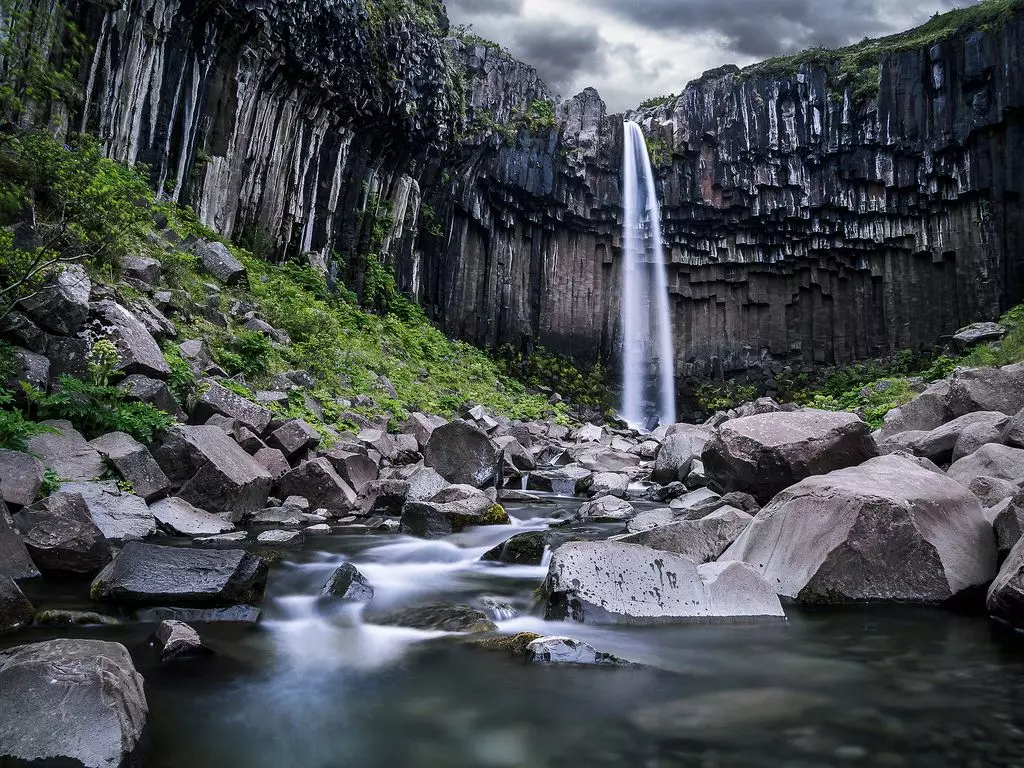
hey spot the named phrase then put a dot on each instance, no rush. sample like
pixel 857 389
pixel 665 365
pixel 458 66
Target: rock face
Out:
pixel 21 477
pixel 766 453
pixel 612 582
pixel 886 530
pixel 120 516
pixel 146 574
pixel 463 454
pixel 71 702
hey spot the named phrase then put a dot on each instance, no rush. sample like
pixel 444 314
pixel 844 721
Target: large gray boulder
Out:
pixel 425 484
pixel 61 536
pixel 147 574
pixel 119 515
pixel 209 470
pixel 888 530
pixel 987 389
pixel 463 454
pixel 15 561
pixel 992 460
pixel 177 640
pixel 1007 518
pixel 939 443
pixel 601 458
pixel 348 584
pixel 21 477
pixel 451 510
pixel 62 305
pixel 221 401
pixel 136 346
pixel 71 703
pixel 321 485
pixel 217 260
pixel 702 541
pixel 67 453
pixel 29 368
pixel 515 454
pixel 928 410
pixel 607 509
pixel 977 333
pixel 609 582
pixel 675 458
pixel 293 437
pixel 177 516
pixel 134 462
pixel 1006 594
pixel 764 454
pixel 356 469
pixel 1013 432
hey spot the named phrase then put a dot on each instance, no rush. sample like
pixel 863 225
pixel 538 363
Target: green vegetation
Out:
pixel 465 33
pixel 856 67
pixel 1009 350
pixel 658 102
pixel 721 397
pixel 535 119
pixel 659 152
pixel 544 370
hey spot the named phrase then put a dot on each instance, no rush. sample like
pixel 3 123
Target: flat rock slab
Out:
pixel 67 453
pixel 179 517
pixel 609 582
pixel 71 702
pixel 148 574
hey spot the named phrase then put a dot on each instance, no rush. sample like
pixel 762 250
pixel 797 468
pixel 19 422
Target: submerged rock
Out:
pixel 521 549
pixel 347 583
pixel 441 617
pixel 565 650
pixel 177 640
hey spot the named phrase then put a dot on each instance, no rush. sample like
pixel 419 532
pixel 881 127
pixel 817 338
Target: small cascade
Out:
pixel 648 376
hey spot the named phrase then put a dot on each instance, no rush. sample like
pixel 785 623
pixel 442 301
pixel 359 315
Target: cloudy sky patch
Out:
pixel 631 50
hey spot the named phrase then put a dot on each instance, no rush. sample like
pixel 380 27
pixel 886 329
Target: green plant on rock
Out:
pixel 722 397
pixel 247 353
pixel 182 381
pixel 658 101
pixel 103 362
pixel 51 483
pixel 659 152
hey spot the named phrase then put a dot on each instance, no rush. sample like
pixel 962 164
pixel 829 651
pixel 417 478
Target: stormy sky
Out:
pixel 631 50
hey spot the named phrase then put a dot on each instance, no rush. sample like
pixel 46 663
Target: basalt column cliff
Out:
pixel 806 222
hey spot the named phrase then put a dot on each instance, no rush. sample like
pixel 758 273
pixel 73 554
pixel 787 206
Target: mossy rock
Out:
pixel 514 645
pixel 443 617
pixel 58 617
pixel 495 515
pixel 521 549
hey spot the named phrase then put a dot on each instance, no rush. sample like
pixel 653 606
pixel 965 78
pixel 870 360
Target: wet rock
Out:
pixel 136 347
pixel 121 516
pixel 218 400
pixel 612 582
pixel 221 540
pixel 14 558
pixel 67 453
pixel 16 611
pixel 702 541
pixel 675 459
pixel 652 518
pixel 21 477
pixel 61 536
pixel 513 645
pixel 56 617
pixel 452 510
pixel 348 584
pixel 565 481
pixel 148 574
pixel 565 650
pixel 209 470
pixel 237 614
pixel 887 530
pixel 463 454
pixel 356 469
pixel 987 389
pixel 62 305
pixel 318 482
pixel 521 549
pixel 520 458
pixel 71 702
pixel 282 539
pixel 321 529
pixel 217 260
pixel 606 509
pixel 439 617
pixel 609 484
pixel 764 454
pixel 695 504
pixel 134 463
pixel 177 516
pixel 600 458
pixel 990 460
pixel 178 641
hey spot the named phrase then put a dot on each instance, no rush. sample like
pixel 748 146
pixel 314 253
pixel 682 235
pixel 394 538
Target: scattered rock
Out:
pixel 178 641
pixel 221 540
pixel 136 347
pixel 1013 432
pixel 652 518
pixel 425 484
pixel 938 444
pixel 463 454
pixel 318 482
pixel 356 469
pixel 179 517
pixel 61 306
pixel 16 611
pixel 520 458
pixel 61 536
pixel 1007 519
pixel 71 702
pixel 273 461
pixel 148 574
pixel 218 400
pixel 564 650
pixel 987 389
pixel 606 509
pixel 293 437
pixel 978 333
pixel 218 261
pixel 238 614
pixel 120 516
pixel 14 558
pixel 609 582
pixel 992 490
pixel 609 484
pixel 21 477
pixel 764 454
pixel 134 462
pixel 56 617
pixel 565 481
pixel 67 453
pixel 282 539
pixel 452 510
pixel 924 413
pixel 143 269
pixel 439 617
pixel 675 459
pixel 600 458
pixel 144 389
pixel 990 460
pixel 886 530
pixel 385 497
pixel 348 584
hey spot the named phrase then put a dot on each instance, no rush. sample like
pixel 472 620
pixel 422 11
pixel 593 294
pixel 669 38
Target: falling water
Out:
pixel 646 323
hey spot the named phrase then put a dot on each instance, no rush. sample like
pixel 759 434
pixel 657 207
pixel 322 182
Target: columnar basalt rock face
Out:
pixel 803 226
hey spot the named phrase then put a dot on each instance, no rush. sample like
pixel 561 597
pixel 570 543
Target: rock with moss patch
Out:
pixel 514 645
pixel 59 617
pixel 521 549
pixel 439 617
pixel 452 510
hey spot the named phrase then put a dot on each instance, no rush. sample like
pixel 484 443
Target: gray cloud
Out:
pixel 461 8
pixel 559 51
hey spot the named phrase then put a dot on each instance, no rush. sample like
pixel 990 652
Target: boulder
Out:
pixel 15 561
pixel 600 458
pixel 71 703
pixel 992 460
pixel 178 517
pixel 421 426
pixel 407 450
pixel 565 481
pixel 696 504
pixel 293 437
pixel 348 584
pixel 698 477
pixel 975 334
pixel 61 536
pixel 764 454
pixel 938 444
pixel 318 482
pixel 119 515
pixel 152 319
pixel 29 368
pixel 452 510
pixel 177 640
pixel 521 549
pixel 924 413
pixel 16 612
pixel 515 454
pixel 973 437
pixel 675 459
pixel 565 650
pixel 144 389
pixel 1007 519
pixel 273 461
pixel 1013 432
pixel 588 433
pixel 221 540
pixel 887 530
pixel 21 477
pixel 143 269
pixel 702 541
pixel 136 347
pixel 439 617
pixel 218 400
pixel 609 582
pixel 62 305
pixel 652 518
pixel 209 470
pixel 248 440
pixel 425 484
pixel 67 356
pixel 987 389
pixel 992 490
pixel 385 497
pixel 463 454
pixel 282 539
pixel 218 261
pixel 609 509
pixel 356 469
pixel 147 574
pixel 380 441
pixel 134 462
pixel 67 453
pixel 609 484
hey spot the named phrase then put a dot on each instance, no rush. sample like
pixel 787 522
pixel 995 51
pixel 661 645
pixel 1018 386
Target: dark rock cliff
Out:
pixel 803 226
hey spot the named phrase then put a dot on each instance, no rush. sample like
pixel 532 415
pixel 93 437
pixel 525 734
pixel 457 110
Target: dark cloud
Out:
pixel 469 8
pixel 761 28
pixel 559 51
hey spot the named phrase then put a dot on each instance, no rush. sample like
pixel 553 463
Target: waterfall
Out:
pixel 648 379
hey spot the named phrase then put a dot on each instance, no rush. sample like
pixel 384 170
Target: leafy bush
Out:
pixel 870 402
pixel 722 397
pixel 248 353
pixel 182 381
pixel 545 369
pixel 15 429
